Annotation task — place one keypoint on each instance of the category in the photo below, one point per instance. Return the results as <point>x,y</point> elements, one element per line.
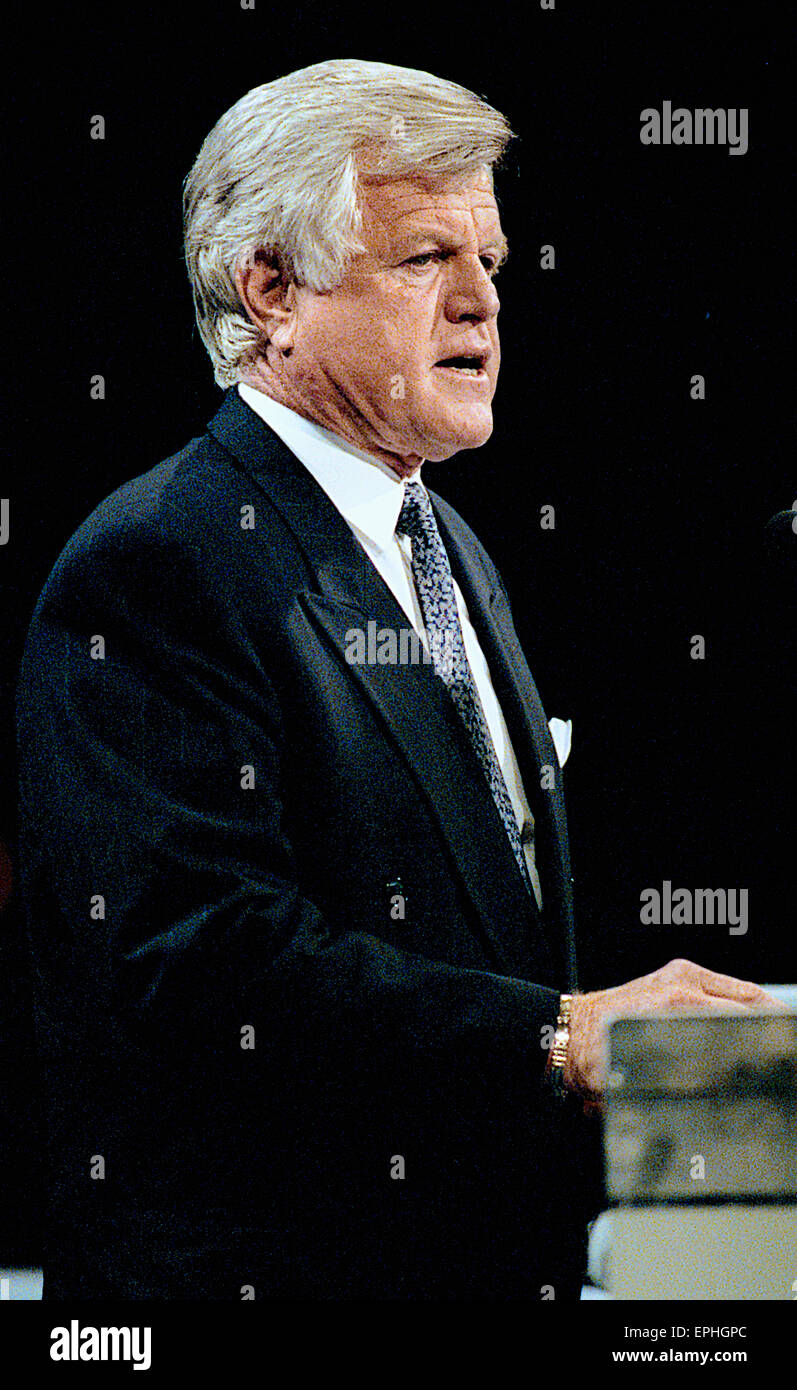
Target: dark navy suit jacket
<point>282,951</point>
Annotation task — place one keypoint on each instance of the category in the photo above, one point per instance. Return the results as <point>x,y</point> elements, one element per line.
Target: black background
<point>669,262</point>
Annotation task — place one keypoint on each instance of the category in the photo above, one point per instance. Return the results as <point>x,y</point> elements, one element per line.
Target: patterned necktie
<point>434,585</point>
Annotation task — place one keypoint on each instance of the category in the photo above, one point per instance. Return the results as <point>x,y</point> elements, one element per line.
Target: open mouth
<point>471,365</point>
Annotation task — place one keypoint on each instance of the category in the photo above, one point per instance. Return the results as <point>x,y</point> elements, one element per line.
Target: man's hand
<point>678,985</point>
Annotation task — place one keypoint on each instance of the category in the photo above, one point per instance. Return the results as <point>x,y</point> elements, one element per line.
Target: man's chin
<point>464,436</point>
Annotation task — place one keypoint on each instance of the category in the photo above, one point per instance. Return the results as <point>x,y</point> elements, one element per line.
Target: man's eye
<point>491,263</point>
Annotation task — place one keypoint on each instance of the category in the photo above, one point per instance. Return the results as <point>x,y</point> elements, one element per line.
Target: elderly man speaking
<point>293,833</point>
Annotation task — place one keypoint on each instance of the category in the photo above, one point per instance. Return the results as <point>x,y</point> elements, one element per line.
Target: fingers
<point>727,987</point>
<point>713,1004</point>
<point>714,984</point>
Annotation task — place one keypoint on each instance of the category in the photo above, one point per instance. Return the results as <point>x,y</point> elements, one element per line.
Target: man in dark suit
<point>293,831</point>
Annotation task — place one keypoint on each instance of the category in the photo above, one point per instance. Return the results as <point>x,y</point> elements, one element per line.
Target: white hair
<point>278,173</point>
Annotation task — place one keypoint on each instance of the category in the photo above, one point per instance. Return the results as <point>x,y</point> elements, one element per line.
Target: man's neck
<point>262,377</point>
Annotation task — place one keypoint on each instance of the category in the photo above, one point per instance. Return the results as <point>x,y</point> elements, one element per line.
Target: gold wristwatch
<point>561,1038</point>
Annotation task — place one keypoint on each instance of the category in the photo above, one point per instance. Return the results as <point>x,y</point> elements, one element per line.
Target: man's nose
<point>471,293</point>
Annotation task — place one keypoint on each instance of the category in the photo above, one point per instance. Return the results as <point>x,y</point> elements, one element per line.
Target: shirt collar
<point>366,491</point>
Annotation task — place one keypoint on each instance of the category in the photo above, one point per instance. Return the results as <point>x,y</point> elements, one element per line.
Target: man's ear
<point>268,297</point>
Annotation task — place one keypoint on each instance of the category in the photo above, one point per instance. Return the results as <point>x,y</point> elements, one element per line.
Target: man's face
<point>372,359</point>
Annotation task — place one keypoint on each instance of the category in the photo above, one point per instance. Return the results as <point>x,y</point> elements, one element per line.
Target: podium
<point>700,1150</point>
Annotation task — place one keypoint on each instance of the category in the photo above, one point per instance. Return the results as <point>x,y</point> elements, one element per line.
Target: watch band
<point>561,1038</point>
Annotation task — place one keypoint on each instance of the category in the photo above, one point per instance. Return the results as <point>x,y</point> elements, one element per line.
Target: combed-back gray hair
<point>278,172</point>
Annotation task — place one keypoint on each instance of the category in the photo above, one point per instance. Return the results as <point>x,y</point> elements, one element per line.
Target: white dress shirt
<point>369,496</point>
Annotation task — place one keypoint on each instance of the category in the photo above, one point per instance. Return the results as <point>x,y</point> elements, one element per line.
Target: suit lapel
<point>422,721</point>
<point>349,593</point>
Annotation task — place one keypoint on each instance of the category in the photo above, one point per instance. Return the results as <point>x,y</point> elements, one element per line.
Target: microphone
<point>780,537</point>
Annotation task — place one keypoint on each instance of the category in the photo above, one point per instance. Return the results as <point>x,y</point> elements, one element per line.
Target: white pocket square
<point>562,735</point>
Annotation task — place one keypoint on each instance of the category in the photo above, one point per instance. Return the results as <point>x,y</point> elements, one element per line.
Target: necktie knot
<point>416,517</point>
